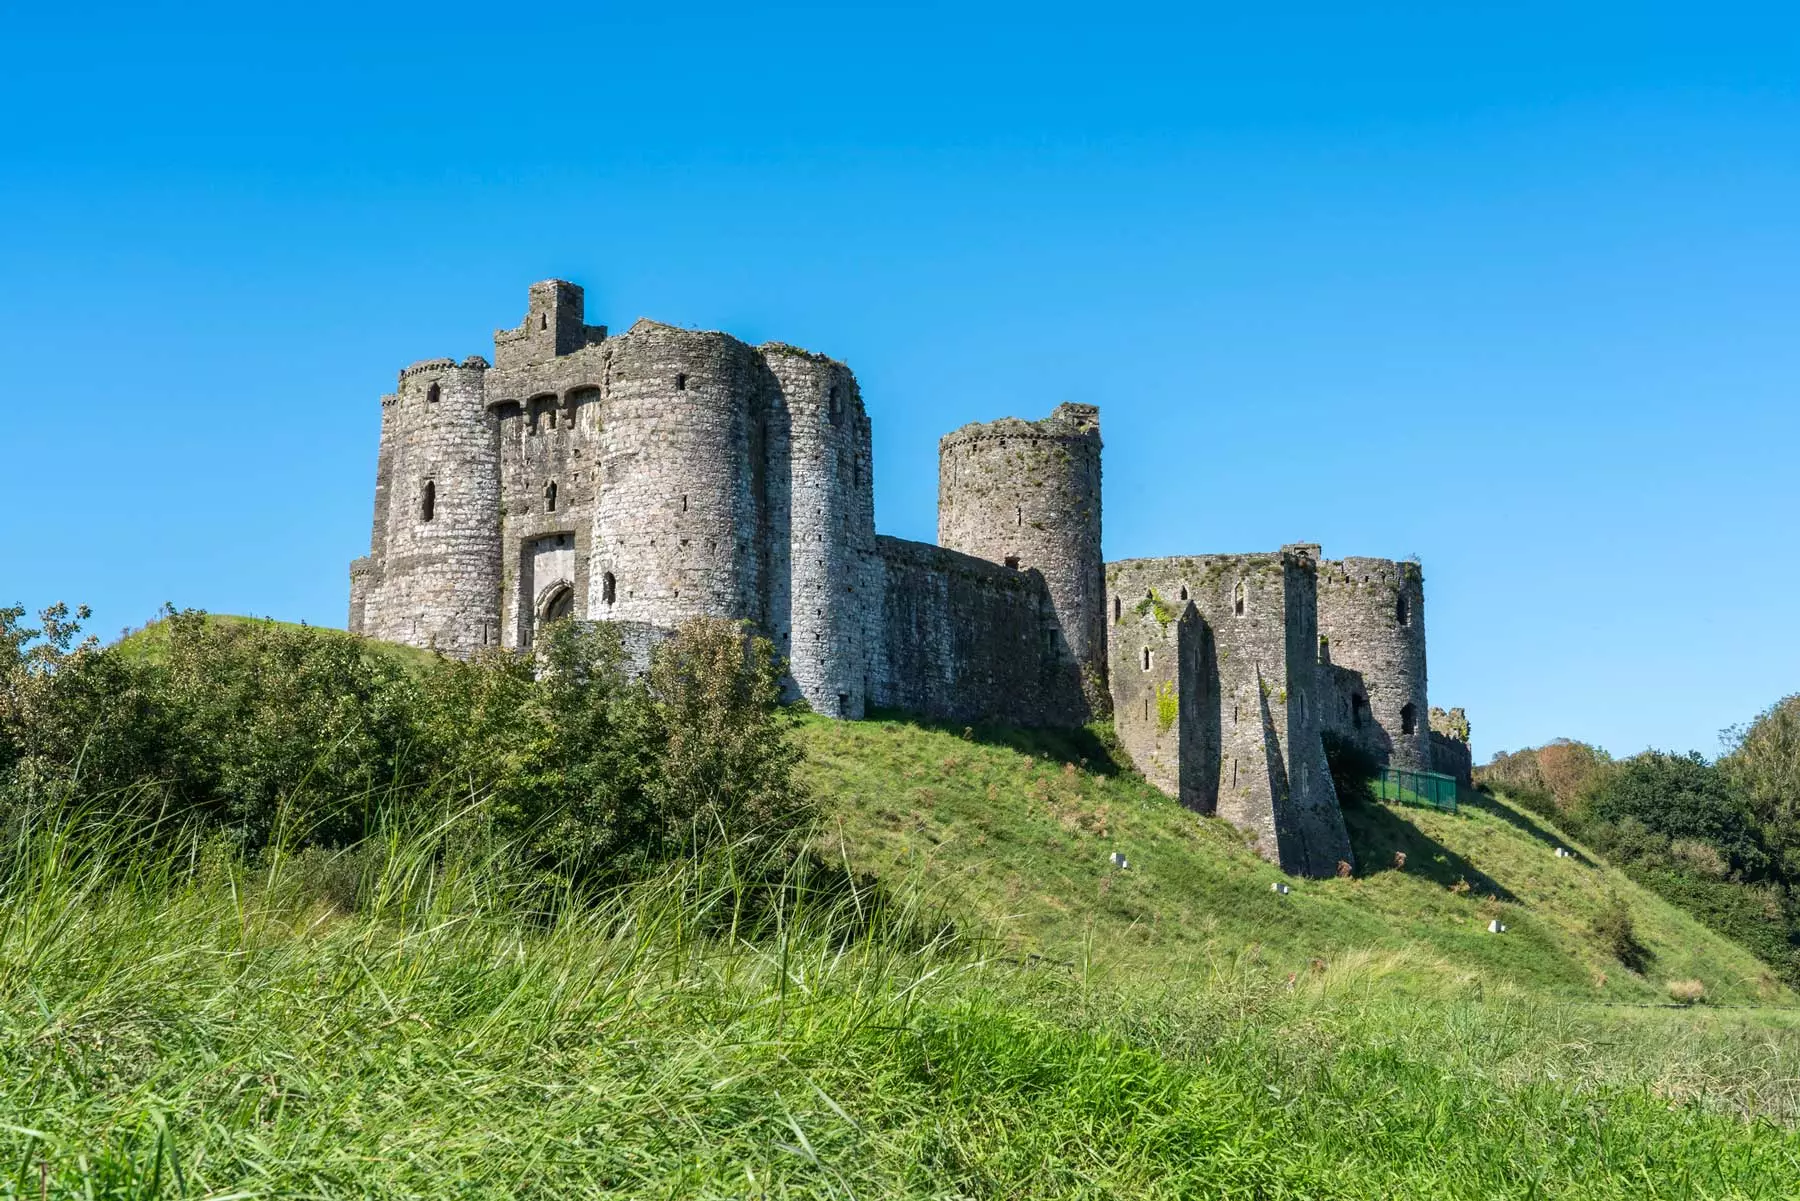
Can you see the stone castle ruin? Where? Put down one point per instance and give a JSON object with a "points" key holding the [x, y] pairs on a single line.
{"points": [[664, 474]]}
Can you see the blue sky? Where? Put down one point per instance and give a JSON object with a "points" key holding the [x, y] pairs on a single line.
{"points": [[1511, 288]]}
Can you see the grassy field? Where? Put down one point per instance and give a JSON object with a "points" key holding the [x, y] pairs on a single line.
{"points": [[400, 1021], [1019, 833]]}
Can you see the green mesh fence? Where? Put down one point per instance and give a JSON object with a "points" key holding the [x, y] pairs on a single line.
{"points": [[1416, 788]]}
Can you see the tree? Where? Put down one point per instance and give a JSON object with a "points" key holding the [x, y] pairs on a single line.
{"points": [[1764, 764], [1678, 797]]}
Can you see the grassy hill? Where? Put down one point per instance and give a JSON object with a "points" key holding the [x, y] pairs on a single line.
{"points": [[409, 1017], [1016, 832]]}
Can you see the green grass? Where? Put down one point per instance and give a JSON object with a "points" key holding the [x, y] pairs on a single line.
{"points": [[150, 642], [402, 1021], [1020, 836], [1007, 1015]]}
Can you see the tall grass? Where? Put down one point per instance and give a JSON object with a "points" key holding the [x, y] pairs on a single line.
{"points": [[416, 1016]]}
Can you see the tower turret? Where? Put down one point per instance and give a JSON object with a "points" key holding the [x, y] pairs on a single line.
{"points": [[678, 508], [822, 528], [1026, 494], [433, 578], [1372, 654]]}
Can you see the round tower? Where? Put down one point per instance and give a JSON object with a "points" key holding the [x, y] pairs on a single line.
{"points": [[1026, 494], [1372, 646], [822, 527], [678, 510], [438, 519]]}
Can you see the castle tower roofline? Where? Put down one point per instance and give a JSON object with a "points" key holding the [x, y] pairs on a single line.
{"points": [[1066, 422], [553, 326], [424, 365], [787, 348]]}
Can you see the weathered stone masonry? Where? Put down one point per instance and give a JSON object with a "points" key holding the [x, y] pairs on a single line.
{"points": [[661, 474]]}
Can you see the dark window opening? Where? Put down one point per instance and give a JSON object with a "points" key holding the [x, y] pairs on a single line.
{"points": [[1409, 718], [1184, 594], [1324, 649], [550, 497], [431, 394], [1402, 613], [1148, 658], [543, 321], [1237, 601], [684, 502], [680, 383], [1118, 608], [1359, 705], [1021, 516], [609, 589], [1012, 561], [843, 702], [834, 404], [428, 502]]}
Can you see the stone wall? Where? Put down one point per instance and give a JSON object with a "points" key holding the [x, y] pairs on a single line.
{"points": [[1372, 633], [1026, 494], [1216, 694], [965, 640], [1450, 750]]}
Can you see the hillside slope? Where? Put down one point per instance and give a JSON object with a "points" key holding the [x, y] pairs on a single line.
{"points": [[1015, 831]]}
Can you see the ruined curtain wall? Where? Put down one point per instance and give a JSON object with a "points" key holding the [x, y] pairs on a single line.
{"points": [[962, 639]]}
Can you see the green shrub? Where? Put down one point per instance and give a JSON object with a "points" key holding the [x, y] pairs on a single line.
{"points": [[1675, 797], [1615, 935], [284, 735]]}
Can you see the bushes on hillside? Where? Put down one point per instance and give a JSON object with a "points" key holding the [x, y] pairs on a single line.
{"points": [[1718, 839], [1654, 799], [306, 737]]}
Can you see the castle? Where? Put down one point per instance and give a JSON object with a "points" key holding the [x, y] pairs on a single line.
{"points": [[664, 474]]}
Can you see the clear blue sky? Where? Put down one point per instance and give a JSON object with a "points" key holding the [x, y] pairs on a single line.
{"points": [[1509, 287]]}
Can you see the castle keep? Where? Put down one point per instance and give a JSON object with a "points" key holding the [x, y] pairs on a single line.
{"points": [[661, 474]]}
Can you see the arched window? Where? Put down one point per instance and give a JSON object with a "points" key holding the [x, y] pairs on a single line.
{"points": [[428, 502], [1237, 600], [609, 589], [558, 605], [431, 394], [543, 320], [1409, 718], [550, 497], [1402, 611], [1184, 592]]}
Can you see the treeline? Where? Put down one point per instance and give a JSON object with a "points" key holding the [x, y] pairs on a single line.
{"points": [[299, 736], [1720, 838]]}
